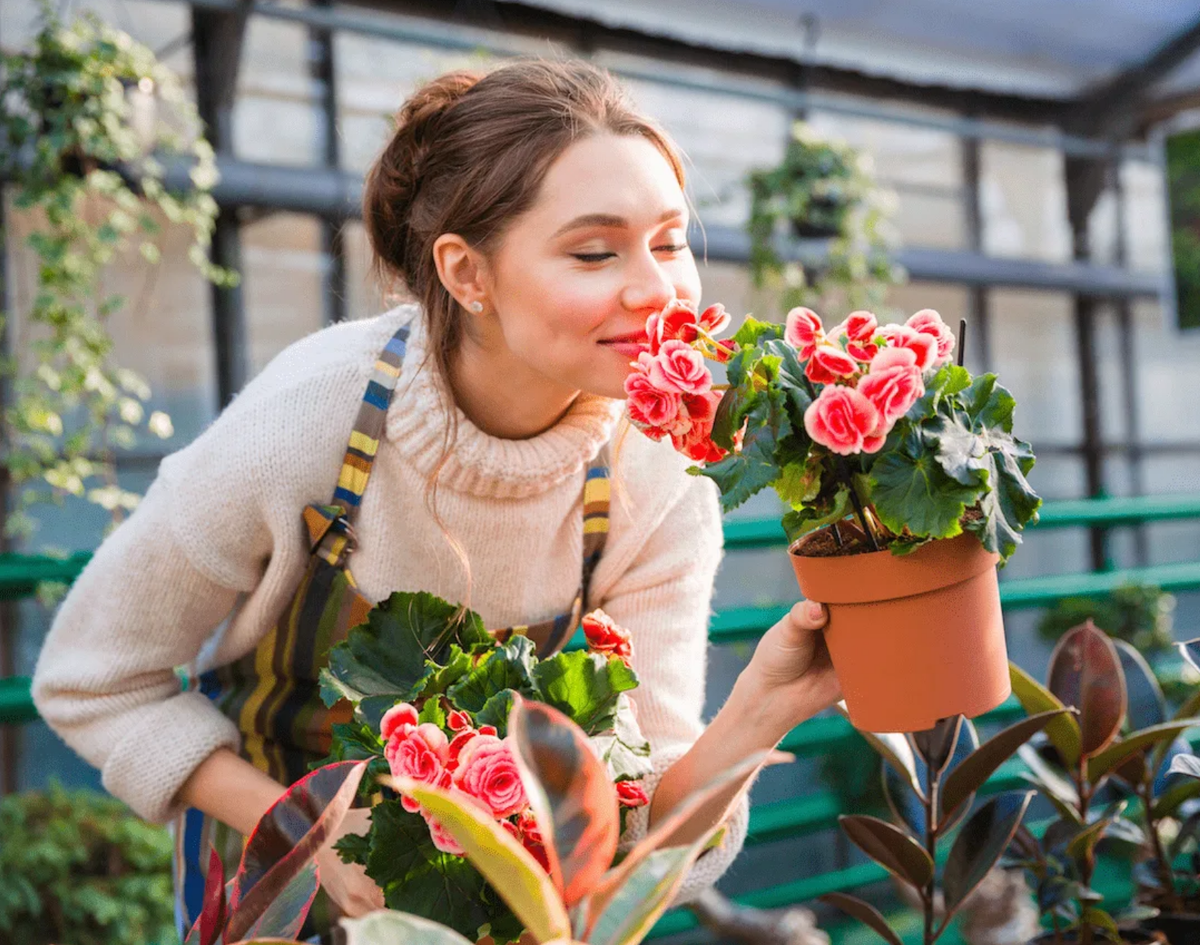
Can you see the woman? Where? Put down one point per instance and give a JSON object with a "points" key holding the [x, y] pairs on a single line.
{"points": [[538, 220]]}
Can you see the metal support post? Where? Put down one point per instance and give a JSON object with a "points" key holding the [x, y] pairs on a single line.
{"points": [[979, 299], [217, 46], [322, 68]]}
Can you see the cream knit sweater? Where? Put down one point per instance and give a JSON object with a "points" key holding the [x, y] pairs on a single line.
{"points": [[198, 574]]}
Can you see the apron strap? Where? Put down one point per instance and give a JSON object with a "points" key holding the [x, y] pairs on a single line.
{"points": [[330, 527]]}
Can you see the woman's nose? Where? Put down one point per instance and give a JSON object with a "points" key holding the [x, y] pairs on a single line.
{"points": [[649, 286]]}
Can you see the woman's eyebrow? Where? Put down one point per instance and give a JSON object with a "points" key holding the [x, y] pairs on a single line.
{"points": [[608, 219]]}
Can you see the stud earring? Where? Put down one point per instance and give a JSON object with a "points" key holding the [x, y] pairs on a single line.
{"points": [[477, 306]]}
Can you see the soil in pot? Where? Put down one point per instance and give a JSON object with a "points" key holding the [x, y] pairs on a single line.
{"points": [[913, 638], [1180, 928]]}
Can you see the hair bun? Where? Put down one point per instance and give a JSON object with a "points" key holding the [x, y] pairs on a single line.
{"points": [[394, 179]]}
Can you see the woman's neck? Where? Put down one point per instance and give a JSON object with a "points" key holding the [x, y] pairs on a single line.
{"points": [[502, 396]]}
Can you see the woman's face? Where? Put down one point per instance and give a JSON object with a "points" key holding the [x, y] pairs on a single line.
{"points": [[577, 275]]}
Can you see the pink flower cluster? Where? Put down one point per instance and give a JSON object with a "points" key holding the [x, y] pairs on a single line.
{"points": [[871, 374], [670, 390], [475, 764]]}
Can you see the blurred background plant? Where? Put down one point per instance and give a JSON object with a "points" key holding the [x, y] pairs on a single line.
{"points": [[79, 867], [822, 190]]}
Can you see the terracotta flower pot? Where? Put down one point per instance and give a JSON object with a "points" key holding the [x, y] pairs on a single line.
{"points": [[913, 638]]}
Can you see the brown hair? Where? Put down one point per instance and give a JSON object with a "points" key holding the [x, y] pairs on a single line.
{"points": [[468, 155]]}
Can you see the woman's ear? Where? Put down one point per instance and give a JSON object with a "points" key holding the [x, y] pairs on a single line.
{"points": [[462, 270]]}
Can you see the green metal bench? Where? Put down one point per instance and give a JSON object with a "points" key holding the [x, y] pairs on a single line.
{"points": [[817, 811]]}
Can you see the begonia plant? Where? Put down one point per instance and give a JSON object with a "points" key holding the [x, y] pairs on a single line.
{"points": [[861, 419]]}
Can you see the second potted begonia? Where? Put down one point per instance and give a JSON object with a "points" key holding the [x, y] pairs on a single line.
{"points": [[904, 483]]}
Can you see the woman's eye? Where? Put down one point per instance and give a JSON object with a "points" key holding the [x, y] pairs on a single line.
{"points": [[592, 257], [675, 249]]}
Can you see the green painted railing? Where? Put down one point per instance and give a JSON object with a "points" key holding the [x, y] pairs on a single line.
{"points": [[817, 811]]}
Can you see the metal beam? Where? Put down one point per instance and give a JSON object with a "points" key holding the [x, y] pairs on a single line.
{"points": [[1110, 108], [410, 31], [323, 70]]}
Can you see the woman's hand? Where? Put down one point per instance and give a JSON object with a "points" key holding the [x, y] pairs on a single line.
{"points": [[790, 670], [347, 884]]}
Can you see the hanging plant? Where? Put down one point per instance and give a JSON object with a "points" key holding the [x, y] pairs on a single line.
{"points": [[821, 190], [88, 120]]}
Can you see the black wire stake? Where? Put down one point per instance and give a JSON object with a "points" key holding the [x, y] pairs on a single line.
{"points": [[837, 535], [962, 337], [844, 472]]}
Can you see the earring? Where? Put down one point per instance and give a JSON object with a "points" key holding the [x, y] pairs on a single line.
{"points": [[477, 306]]}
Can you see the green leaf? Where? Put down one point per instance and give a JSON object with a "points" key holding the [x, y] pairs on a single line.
{"points": [[890, 847], [437, 678], [386, 655], [584, 686], [979, 844], [643, 897], [1063, 731], [866, 913], [432, 713], [624, 750], [1097, 918], [1185, 764], [740, 475], [910, 490], [1134, 743], [800, 522], [385, 927], [1167, 803], [1084, 843], [752, 331], [510, 666], [974, 770], [1056, 788], [495, 712]]}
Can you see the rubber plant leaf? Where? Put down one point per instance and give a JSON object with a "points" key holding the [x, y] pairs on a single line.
{"points": [[386, 927], [866, 913], [1063, 732], [1134, 743], [890, 847], [287, 837], [979, 844], [207, 928], [1085, 672]]}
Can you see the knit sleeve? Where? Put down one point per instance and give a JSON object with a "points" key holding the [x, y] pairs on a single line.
{"points": [[664, 598], [105, 679]]}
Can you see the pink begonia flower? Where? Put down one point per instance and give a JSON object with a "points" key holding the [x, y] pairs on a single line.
{"points": [[922, 345], [680, 368], [458, 721], [859, 329], [844, 421], [929, 322], [829, 364], [487, 771], [651, 408], [399, 714], [419, 752], [893, 383], [803, 331], [678, 321], [694, 440]]}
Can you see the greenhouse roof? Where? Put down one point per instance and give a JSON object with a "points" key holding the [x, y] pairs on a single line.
{"points": [[1048, 49]]}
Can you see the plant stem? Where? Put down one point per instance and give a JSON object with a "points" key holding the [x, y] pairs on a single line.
{"points": [[844, 473], [1088, 865], [931, 803], [1165, 873]]}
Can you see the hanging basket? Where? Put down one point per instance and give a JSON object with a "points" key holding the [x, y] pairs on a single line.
{"points": [[913, 638]]}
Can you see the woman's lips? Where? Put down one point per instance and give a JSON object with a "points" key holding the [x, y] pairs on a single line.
{"points": [[629, 347]]}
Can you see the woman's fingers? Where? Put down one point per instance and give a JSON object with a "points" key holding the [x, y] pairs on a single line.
{"points": [[809, 615]]}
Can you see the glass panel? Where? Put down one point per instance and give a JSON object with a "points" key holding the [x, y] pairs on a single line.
{"points": [[1024, 202]]}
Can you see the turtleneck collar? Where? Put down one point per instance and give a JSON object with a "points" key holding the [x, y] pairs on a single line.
{"points": [[479, 463]]}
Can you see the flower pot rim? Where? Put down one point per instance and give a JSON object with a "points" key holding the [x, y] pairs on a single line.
{"points": [[874, 576]]}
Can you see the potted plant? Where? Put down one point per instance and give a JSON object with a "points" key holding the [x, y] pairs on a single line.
{"points": [[930, 779], [904, 483], [824, 190], [1112, 747], [572, 893]]}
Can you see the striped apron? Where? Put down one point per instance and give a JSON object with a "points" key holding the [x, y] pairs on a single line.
{"points": [[273, 693]]}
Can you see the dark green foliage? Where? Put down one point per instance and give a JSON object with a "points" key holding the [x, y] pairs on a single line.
{"points": [[77, 867]]}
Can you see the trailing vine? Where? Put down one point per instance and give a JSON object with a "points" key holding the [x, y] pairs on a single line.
{"points": [[89, 120], [821, 189]]}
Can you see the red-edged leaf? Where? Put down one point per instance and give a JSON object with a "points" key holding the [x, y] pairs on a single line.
{"points": [[284, 917], [1133, 744], [936, 746], [866, 913], [287, 837], [211, 922], [573, 800], [971, 773], [890, 847], [1085, 671]]}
